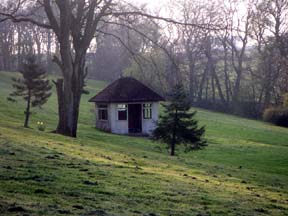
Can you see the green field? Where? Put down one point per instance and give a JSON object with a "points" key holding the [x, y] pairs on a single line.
{"points": [[243, 171]]}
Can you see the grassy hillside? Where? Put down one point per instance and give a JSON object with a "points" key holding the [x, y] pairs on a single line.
{"points": [[243, 171]]}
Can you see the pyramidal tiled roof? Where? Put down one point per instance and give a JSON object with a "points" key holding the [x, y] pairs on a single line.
{"points": [[126, 89]]}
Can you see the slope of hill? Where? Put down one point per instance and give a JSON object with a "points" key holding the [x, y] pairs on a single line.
{"points": [[243, 171]]}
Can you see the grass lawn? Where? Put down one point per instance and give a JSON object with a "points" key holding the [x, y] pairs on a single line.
{"points": [[243, 171]]}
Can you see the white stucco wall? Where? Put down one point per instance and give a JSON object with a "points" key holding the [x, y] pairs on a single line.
{"points": [[117, 126], [149, 124], [121, 126], [103, 124]]}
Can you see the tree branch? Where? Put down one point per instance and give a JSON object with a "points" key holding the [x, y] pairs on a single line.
{"points": [[169, 20]]}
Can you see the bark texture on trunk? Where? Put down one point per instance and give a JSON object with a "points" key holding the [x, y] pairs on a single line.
{"points": [[69, 96], [74, 32]]}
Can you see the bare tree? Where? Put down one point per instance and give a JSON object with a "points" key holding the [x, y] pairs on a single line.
{"points": [[269, 30], [238, 42], [74, 24], [192, 39]]}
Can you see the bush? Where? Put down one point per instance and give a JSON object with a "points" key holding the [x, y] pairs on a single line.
{"points": [[285, 100], [277, 116]]}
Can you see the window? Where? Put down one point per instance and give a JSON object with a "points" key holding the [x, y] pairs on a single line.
{"points": [[147, 111], [102, 112], [122, 111]]}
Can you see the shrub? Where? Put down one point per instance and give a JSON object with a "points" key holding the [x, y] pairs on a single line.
{"points": [[285, 100], [277, 116]]}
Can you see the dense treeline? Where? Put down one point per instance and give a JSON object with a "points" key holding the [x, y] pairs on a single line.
{"points": [[234, 58], [240, 69]]}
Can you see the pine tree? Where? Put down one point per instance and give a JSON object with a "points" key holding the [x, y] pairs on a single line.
{"points": [[34, 88], [177, 125]]}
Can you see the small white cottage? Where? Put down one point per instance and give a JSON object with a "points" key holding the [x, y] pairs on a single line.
{"points": [[127, 106]]}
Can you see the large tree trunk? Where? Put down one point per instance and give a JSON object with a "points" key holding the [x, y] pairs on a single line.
{"points": [[69, 91], [68, 109]]}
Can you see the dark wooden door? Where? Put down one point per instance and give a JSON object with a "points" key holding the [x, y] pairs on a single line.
{"points": [[134, 118]]}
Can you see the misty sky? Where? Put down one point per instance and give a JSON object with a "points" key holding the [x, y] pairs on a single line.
{"points": [[152, 4]]}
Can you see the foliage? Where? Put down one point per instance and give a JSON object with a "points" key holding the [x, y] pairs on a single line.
{"points": [[285, 100], [178, 125], [278, 116], [33, 87]]}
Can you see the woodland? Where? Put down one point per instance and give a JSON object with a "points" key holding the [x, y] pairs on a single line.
{"points": [[231, 56]]}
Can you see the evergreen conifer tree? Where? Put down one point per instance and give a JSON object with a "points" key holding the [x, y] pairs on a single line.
{"points": [[177, 125], [33, 87]]}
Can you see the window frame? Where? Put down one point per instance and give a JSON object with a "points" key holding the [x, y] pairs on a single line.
{"points": [[122, 109], [102, 108], [147, 110]]}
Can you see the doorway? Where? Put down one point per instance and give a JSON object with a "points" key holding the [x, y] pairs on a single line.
{"points": [[135, 118]]}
